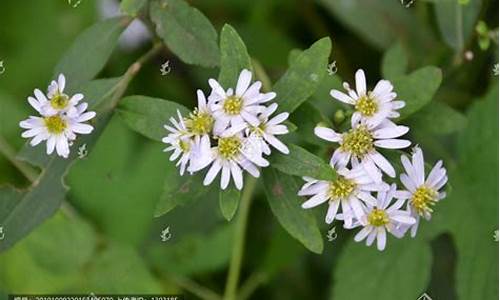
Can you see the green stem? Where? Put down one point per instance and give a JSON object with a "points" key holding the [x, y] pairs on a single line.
{"points": [[251, 284], [130, 74], [8, 151], [194, 288], [239, 240]]}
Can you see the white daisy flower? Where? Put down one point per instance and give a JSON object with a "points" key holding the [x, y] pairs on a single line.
{"points": [[200, 121], [383, 218], [264, 134], [58, 130], [57, 100], [239, 108], [373, 106], [349, 190], [229, 157], [360, 143], [422, 193], [183, 144]]}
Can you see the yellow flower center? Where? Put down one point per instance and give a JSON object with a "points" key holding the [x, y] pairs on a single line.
{"points": [[229, 147], [366, 106], [55, 124], [378, 217], [185, 146], [259, 130], [232, 105], [422, 200], [59, 101], [358, 141], [200, 122], [341, 188]]}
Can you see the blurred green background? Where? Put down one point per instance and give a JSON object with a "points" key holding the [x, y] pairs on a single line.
{"points": [[107, 240]]}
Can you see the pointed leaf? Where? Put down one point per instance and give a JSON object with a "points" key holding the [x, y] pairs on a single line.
{"points": [[301, 162], [229, 199], [234, 57], [186, 31], [303, 77], [417, 89], [148, 115], [90, 51], [395, 62], [281, 193]]}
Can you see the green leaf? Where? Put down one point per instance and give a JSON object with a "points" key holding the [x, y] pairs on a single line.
{"points": [[124, 171], [470, 213], [281, 193], [437, 118], [120, 269], [194, 253], [456, 21], [179, 190], [229, 199], [186, 31], [90, 51], [401, 271], [303, 77], [417, 89], [132, 7], [301, 162], [308, 116], [234, 56], [44, 198], [53, 255], [395, 62], [95, 92], [381, 22], [147, 115]]}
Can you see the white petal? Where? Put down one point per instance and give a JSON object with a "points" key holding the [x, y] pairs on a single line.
{"points": [[327, 134], [342, 97], [51, 145], [278, 119], [392, 143], [226, 175], [362, 234], [381, 238], [333, 208], [243, 82], [273, 141], [217, 88], [360, 83], [82, 128], [61, 80], [212, 172], [315, 200], [418, 165], [237, 175], [383, 163], [390, 132]]}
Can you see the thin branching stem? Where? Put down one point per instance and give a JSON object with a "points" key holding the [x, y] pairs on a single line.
{"points": [[239, 240]]}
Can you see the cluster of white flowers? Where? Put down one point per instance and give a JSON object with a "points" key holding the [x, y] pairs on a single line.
{"points": [[61, 118], [360, 169], [231, 130]]}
